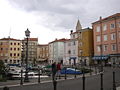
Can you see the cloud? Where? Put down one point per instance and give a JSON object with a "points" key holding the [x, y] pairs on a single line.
{"points": [[53, 16]]}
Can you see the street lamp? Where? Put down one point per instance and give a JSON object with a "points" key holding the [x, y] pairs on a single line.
{"points": [[27, 34]]}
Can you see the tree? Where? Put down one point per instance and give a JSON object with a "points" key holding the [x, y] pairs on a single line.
{"points": [[2, 69]]}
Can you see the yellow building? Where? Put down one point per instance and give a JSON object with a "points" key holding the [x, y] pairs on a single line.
{"points": [[85, 44], [10, 50]]}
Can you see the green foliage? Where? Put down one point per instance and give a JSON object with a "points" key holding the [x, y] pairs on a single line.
{"points": [[2, 71], [2, 67]]}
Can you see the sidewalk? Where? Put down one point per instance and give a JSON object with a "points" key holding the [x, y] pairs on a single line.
{"points": [[118, 88]]}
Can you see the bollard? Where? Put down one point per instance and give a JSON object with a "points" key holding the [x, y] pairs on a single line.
{"points": [[95, 69], [90, 70], [101, 75], [65, 73], [75, 72], [55, 84], [38, 75], [83, 81], [5, 88], [114, 86], [21, 80]]}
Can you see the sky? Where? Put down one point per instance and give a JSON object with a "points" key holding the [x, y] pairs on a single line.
{"points": [[51, 19]]}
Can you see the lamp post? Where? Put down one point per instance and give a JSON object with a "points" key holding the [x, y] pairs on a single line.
{"points": [[26, 79]]}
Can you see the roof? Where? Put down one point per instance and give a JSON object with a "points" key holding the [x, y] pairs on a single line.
{"points": [[59, 40], [10, 39], [32, 39], [109, 17], [43, 45], [85, 29]]}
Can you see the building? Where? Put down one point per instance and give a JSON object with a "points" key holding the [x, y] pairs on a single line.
{"points": [[84, 44], [56, 50], [42, 53], [106, 33], [10, 50], [32, 50], [71, 52]]}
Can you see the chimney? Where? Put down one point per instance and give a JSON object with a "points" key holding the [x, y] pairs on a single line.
{"points": [[71, 31], [100, 18]]}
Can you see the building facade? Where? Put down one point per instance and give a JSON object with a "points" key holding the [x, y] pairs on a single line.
{"points": [[42, 53], [10, 50], [71, 52], [107, 39], [56, 51], [32, 50]]}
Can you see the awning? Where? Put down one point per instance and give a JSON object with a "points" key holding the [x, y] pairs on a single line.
{"points": [[103, 57], [73, 58], [114, 55]]}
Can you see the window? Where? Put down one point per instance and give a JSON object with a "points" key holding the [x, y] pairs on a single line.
{"points": [[119, 24], [10, 48], [98, 29], [73, 51], [113, 47], [98, 38], [73, 36], [14, 54], [69, 51], [105, 47], [104, 27], [1, 49], [18, 49], [11, 54], [119, 34], [69, 44], [15, 49], [18, 43], [18, 54], [105, 37], [80, 43], [1, 43], [14, 43], [11, 43], [113, 36], [73, 42], [112, 26], [98, 48]]}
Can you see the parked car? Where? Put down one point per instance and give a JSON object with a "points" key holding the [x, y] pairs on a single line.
{"points": [[70, 71]]}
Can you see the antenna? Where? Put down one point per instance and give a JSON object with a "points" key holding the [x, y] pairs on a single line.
{"points": [[9, 32]]}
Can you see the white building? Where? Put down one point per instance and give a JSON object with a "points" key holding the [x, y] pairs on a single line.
{"points": [[56, 51]]}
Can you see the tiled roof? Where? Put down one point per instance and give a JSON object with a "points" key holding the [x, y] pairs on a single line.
{"points": [[109, 17], [43, 45], [59, 40], [32, 39], [10, 39]]}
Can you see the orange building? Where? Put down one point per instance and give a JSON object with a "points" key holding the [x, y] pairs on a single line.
{"points": [[107, 39]]}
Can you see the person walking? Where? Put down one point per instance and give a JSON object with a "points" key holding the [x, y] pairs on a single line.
{"points": [[58, 69], [54, 70]]}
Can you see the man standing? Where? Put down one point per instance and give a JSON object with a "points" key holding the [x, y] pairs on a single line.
{"points": [[54, 70]]}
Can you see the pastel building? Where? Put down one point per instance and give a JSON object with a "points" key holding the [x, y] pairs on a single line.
{"points": [[106, 33], [42, 53], [10, 50], [71, 52], [56, 51], [32, 50]]}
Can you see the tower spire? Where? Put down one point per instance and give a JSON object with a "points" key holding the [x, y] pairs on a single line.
{"points": [[78, 26]]}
